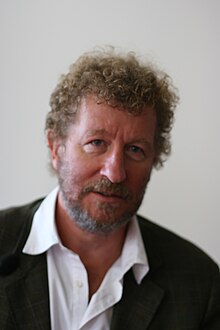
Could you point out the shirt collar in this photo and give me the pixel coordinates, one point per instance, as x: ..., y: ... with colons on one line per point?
x: 43, y: 232
x: 133, y: 255
x: 43, y: 235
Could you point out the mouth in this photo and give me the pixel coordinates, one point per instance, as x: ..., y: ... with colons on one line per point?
x: 109, y: 195
x: 105, y: 189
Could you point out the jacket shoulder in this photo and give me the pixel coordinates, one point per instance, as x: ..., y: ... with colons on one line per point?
x: 189, y: 277
x: 13, y: 221
x: 172, y: 248
x: 16, y: 211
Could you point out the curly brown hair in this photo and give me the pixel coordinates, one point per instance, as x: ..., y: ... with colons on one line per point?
x: 121, y: 81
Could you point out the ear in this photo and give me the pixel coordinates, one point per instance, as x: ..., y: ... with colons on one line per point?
x: 54, y: 145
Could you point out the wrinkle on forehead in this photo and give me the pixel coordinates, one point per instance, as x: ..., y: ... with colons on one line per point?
x: 104, y: 120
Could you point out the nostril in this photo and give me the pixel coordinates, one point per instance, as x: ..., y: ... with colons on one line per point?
x: 114, y: 174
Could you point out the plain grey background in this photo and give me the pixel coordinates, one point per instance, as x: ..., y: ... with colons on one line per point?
x: 41, y: 38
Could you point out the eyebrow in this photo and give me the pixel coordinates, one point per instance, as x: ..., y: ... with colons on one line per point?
x: 100, y: 131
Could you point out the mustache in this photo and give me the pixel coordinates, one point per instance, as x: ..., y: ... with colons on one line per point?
x: 106, y: 187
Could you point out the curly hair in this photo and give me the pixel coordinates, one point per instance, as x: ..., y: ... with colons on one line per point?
x: 120, y: 81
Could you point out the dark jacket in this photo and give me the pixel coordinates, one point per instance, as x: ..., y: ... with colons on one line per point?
x: 180, y: 292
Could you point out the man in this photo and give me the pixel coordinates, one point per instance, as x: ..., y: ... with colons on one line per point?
x: 81, y: 258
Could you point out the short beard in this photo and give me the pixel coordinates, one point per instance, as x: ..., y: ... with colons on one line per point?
x: 90, y: 224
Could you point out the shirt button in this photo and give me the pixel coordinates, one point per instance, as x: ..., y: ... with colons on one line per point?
x: 79, y: 284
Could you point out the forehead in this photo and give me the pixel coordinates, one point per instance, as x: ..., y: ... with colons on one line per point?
x: 94, y: 108
x: 100, y: 117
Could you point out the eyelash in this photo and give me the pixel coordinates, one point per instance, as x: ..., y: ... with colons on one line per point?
x: 97, y: 142
x: 135, y: 149
x: 134, y: 152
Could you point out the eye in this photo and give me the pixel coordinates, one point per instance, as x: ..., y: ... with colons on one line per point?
x: 97, y: 143
x: 95, y: 146
x: 135, y: 149
x: 136, y: 152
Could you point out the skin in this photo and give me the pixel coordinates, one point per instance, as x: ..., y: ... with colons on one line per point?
x: 103, y: 167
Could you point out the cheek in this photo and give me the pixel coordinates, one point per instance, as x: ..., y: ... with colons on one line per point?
x: 138, y: 180
x: 141, y: 185
x: 78, y: 171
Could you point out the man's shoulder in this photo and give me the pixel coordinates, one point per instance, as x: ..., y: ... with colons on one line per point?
x: 172, y: 248
x: 15, y: 221
x: 10, y: 213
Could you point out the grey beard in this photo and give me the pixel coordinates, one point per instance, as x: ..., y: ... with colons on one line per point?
x: 84, y: 221
x: 91, y: 224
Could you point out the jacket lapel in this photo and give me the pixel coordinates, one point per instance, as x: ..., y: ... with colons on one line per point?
x: 28, y: 294
x: 138, y: 305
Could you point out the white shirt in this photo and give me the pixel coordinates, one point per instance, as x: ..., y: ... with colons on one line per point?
x: 70, y: 308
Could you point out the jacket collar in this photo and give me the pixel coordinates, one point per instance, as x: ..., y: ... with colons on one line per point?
x: 138, y: 306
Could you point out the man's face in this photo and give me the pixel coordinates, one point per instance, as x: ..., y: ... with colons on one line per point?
x: 105, y: 164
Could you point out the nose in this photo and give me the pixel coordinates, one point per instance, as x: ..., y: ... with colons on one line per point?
x: 113, y: 167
